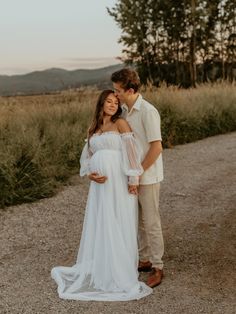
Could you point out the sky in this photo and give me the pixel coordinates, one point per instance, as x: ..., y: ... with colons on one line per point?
x: 69, y: 34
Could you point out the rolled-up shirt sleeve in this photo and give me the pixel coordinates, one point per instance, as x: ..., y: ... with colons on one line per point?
x: 152, y: 125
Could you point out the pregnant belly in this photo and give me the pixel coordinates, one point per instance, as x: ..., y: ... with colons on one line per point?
x: 106, y: 161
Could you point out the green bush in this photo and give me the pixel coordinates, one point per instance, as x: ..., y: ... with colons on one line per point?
x: 193, y: 114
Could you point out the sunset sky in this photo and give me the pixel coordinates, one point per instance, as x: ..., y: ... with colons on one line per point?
x: 69, y: 34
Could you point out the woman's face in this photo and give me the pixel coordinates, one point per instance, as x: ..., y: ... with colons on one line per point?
x: 111, y: 105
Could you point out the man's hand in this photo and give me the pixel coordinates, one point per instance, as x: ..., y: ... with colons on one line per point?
x: 133, y: 189
x: 153, y: 153
x: 94, y: 176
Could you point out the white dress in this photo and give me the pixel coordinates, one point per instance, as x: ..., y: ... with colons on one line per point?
x: 106, y: 266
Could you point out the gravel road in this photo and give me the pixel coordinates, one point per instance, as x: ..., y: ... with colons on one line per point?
x: 198, y: 209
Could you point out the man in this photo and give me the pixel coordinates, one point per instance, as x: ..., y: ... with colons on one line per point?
x: 144, y: 121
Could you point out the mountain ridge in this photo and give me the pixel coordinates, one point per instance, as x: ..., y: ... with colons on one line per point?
x: 55, y: 79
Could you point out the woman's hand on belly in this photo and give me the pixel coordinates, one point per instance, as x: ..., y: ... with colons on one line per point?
x: 94, y: 176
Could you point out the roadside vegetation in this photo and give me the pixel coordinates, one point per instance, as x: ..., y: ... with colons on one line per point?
x: 41, y: 137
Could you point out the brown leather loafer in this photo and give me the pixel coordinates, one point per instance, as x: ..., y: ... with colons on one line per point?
x: 155, y: 277
x: 144, y: 266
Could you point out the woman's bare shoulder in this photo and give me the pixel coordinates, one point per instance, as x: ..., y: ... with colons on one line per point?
x: 123, y: 125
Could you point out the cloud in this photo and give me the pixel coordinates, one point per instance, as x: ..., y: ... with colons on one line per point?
x: 89, y: 63
x: 65, y: 63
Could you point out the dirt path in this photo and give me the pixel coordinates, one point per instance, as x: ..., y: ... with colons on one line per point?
x: 198, y: 208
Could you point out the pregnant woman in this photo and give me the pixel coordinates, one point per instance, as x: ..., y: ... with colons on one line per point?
x: 107, y: 262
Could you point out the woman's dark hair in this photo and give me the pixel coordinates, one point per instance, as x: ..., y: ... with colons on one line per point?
x: 128, y: 78
x: 98, y: 114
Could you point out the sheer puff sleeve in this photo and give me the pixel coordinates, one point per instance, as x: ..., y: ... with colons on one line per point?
x: 84, y: 160
x: 131, y: 158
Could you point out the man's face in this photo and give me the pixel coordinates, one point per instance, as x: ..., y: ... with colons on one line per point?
x: 120, y: 93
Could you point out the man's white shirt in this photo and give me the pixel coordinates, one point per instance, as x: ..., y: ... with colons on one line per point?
x: 144, y: 120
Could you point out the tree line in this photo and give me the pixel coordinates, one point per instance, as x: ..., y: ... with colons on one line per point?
x: 182, y: 42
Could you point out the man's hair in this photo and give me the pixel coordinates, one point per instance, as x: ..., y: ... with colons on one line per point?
x: 128, y: 78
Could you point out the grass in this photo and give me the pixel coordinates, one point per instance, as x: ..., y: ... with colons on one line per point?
x: 41, y: 137
x: 193, y: 114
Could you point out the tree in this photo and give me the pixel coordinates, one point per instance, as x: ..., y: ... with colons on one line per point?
x: 172, y: 40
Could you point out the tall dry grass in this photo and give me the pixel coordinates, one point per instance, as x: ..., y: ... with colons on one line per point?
x: 192, y: 114
x: 40, y: 143
x: 41, y: 137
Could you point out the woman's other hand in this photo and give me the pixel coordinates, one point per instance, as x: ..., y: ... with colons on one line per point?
x: 133, y: 189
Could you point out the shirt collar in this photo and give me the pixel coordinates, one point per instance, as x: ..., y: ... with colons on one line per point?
x: 136, y: 105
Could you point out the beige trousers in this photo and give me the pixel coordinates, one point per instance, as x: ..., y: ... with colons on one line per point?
x: 151, y: 245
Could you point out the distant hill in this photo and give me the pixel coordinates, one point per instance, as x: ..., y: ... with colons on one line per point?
x: 54, y: 79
